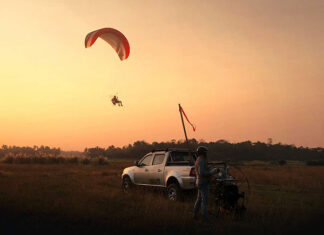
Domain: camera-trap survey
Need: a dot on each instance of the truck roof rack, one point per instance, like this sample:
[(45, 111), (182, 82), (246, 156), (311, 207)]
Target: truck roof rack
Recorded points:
[(172, 149)]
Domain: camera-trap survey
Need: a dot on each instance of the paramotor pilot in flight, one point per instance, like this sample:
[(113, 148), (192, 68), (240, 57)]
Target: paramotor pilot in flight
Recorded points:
[(115, 101)]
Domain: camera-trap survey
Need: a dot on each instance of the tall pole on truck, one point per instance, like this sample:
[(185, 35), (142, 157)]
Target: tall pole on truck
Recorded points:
[(183, 125), (185, 132)]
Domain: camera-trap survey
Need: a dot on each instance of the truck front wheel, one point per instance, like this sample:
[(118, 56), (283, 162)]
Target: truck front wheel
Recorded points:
[(174, 192), (127, 184)]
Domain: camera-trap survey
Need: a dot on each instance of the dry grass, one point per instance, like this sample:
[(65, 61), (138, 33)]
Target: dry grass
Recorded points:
[(88, 199)]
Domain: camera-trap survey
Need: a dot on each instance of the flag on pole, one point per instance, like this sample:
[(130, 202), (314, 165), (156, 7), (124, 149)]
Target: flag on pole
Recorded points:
[(193, 125)]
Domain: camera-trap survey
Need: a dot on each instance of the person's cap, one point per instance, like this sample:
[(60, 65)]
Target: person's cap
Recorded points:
[(202, 150)]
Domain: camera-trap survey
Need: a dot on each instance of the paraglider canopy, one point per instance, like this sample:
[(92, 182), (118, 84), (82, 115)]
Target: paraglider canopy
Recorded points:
[(113, 37)]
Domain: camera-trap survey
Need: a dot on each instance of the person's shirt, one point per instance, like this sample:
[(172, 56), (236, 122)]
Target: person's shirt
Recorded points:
[(202, 172)]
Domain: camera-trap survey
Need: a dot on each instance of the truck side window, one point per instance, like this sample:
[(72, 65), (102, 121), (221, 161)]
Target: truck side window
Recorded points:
[(147, 160), (158, 159)]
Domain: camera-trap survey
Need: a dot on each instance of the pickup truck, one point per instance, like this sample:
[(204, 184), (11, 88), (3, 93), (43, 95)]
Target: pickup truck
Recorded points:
[(171, 169)]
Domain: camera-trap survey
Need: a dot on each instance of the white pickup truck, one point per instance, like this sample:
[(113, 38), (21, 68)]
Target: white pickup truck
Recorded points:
[(170, 169)]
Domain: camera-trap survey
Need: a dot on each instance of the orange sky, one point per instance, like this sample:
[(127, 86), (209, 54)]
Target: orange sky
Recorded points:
[(242, 70)]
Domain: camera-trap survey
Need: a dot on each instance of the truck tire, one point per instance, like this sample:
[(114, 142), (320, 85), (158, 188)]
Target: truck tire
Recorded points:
[(127, 184), (174, 192)]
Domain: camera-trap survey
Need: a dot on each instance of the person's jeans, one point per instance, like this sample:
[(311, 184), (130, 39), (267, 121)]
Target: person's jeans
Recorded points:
[(202, 198)]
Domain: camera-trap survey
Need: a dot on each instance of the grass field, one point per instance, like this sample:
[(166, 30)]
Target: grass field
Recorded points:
[(67, 198)]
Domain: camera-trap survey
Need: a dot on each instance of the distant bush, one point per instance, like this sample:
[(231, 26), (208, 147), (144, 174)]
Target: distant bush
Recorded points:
[(95, 152), (8, 160), (55, 160), (282, 162), (279, 162), (315, 163), (23, 160), (274, 162), (37, 160), (100, 161), (85, 161), (72, 160)]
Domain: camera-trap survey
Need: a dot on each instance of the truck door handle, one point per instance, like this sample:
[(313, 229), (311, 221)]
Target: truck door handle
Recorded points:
[(146, 169), (159, 170)]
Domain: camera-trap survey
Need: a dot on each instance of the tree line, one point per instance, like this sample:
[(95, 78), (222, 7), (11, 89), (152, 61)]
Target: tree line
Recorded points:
[(219, 150), (35, 151)]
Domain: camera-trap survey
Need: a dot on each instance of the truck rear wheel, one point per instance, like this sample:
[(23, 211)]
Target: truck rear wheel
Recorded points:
[(174, 192)]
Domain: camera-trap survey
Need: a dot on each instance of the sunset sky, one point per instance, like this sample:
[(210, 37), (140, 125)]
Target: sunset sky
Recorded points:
[(242, 70)]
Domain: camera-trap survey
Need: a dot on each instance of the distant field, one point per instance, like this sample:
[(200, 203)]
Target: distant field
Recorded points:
[(88, 199)]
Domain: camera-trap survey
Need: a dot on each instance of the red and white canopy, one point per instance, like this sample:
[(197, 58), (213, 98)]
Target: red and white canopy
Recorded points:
[(112, 36)]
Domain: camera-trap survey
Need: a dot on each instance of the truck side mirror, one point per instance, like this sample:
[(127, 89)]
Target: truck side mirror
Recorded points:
[(136, 163)]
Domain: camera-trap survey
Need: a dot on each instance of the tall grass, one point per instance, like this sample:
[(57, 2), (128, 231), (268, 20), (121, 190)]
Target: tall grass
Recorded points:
[(87, 198)]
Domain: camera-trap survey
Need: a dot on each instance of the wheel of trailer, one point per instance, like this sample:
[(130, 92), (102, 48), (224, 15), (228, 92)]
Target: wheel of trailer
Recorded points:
[(127, 184), (174, 192)]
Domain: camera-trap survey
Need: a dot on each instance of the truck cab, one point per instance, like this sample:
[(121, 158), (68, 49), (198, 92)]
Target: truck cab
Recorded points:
[(170, 169)]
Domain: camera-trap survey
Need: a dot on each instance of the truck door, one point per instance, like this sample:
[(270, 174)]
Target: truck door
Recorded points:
[(157, 169), (141, 173)]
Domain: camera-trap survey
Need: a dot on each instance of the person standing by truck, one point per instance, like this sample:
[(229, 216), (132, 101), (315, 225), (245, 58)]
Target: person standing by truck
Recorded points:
[(202, 180)]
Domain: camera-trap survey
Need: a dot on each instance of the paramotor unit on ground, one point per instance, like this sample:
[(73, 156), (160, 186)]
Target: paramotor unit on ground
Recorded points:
[(229, 194)]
